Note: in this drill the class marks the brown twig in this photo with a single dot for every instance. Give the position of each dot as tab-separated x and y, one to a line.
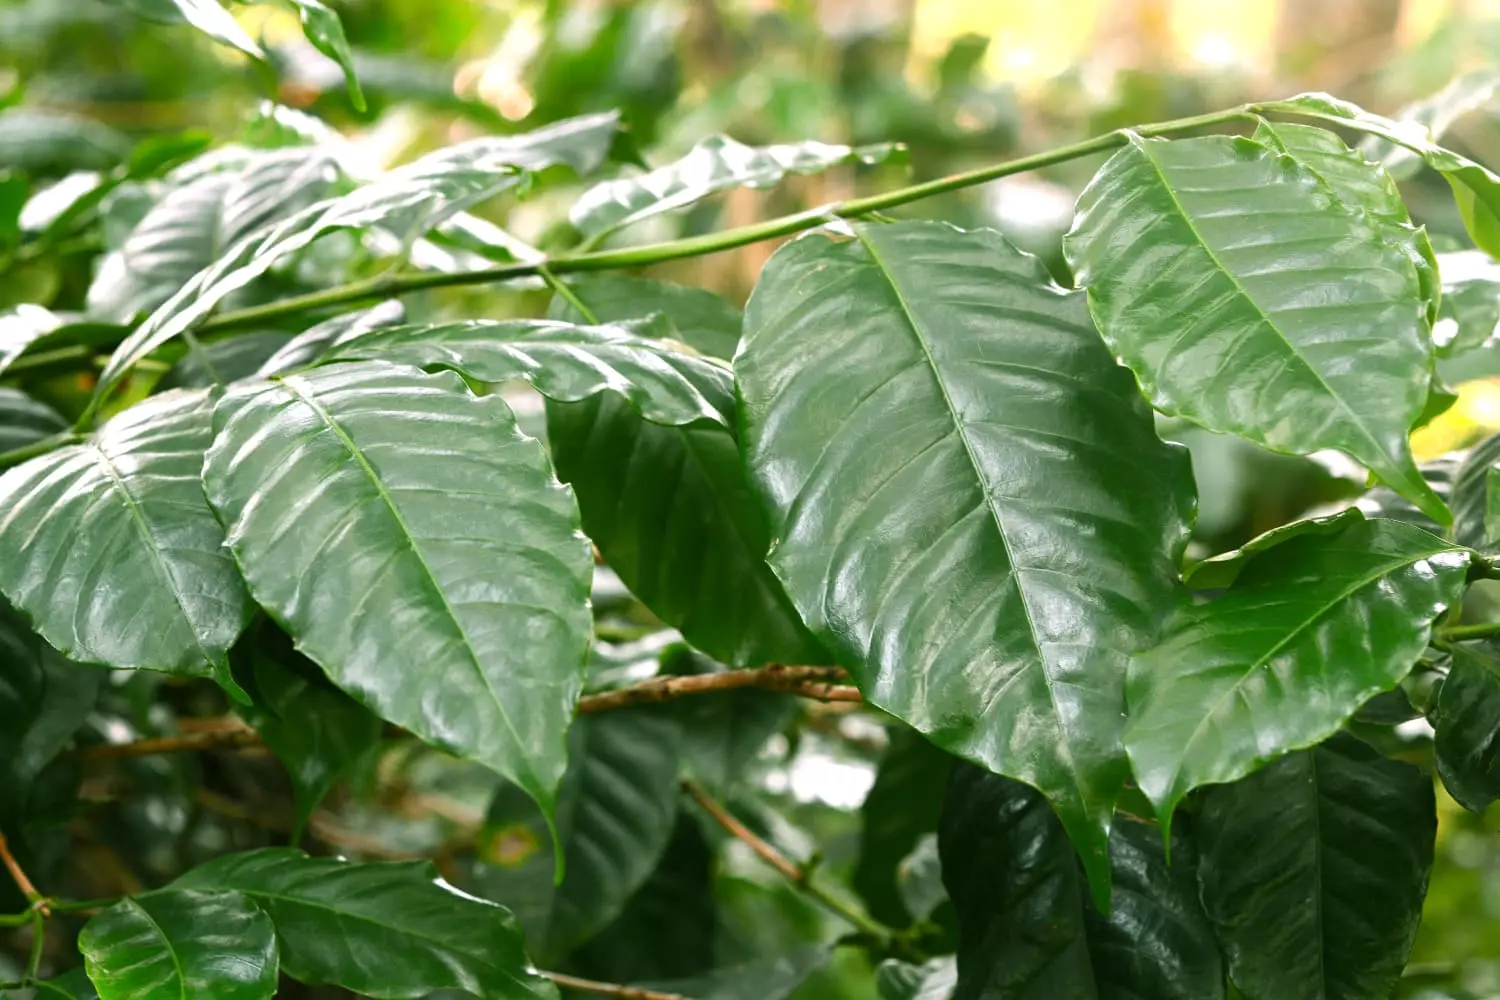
609	989
18	875
212	739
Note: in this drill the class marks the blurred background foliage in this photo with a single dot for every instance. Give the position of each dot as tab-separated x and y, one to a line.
960	82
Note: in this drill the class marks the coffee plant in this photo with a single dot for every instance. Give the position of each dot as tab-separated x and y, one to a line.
919	479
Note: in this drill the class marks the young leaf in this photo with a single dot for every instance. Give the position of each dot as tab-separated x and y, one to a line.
717	163
112	551
25	421
417	547
616	807
971	506
391	931
1262	331
326	33
176	943
701	570
1311	628
208	16
896	980
903	805
1313	871
1026	926
703	320
311	344
1466	721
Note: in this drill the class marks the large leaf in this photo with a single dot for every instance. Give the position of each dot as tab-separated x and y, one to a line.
1311	628
971	506
408	202
1247	298
564	362
717	163
416	545
381	930
25	421
112	551
934	980
1313	871
1026	926
1466	720
703	320
177	945
311	344
196	223
702	569
903	805
615	812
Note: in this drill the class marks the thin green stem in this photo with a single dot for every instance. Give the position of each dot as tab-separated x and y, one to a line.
44	359
46	445
568	295
1479	630
38	944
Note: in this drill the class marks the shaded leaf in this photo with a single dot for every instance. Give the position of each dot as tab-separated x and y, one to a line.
1027	928
717	163
971	506
1466	721
1301	331
765	979
417	547
224	361
73	985
903	805
723	731
1471	492
111	550
311	344
935	980
181	944
615	812
1313	871
703	320
25	421
50	142
392	930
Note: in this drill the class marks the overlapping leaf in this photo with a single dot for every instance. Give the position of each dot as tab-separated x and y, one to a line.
1026	926
178	945
1302	330
74	985
903	805
1471	300
723	731
717	163
20	328
390	931
224	361
25	421
1313	871
1437	114
208	16
703	320
766	979
1471	492
112	551
970	503
1466	723
1314	625
417	546
934	980
308	346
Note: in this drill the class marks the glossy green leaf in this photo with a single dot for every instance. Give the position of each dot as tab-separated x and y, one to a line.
1466	724
224	361
418	548
311	344
766	979
1311	629
934	980
1382	501
1471	492
73	985
1438	113
1476	189
20	328
326	33
112	551
1027	928
390	931
615	812
44	699
563	362
903	805
717	163
25	421
722	732
1313	871
208	16
406	202
704	321
1302	330
970	503
176	945
701	570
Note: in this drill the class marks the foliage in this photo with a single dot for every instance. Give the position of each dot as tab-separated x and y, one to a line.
359	640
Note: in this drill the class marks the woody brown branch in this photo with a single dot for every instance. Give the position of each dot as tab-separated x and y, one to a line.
614	990
18	875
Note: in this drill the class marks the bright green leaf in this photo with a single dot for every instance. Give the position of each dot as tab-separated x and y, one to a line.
970	504
1313	871
112	551
208	16
390	931
1471	300
416	545
1311	629
326	33
1302	330
1466	721
703	320
176	945
935	980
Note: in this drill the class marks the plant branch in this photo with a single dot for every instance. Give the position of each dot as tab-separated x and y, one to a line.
609	989
214	739
18	875
46	445
1458	633
799	876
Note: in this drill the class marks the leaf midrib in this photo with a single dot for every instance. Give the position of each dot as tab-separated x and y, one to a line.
167	945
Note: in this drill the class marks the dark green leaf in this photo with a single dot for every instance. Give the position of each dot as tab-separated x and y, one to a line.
308	346
73	985
416	545
1313	871
1471	492
723	731
392	930
44	699
717	163
112	551
1311	629
183	945
1026	926
615	811
13	191
1257	329
971	506
766	979
933	981
224	361
49	142
702	569
24	421
326	33
903	805
704	321
1466	720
